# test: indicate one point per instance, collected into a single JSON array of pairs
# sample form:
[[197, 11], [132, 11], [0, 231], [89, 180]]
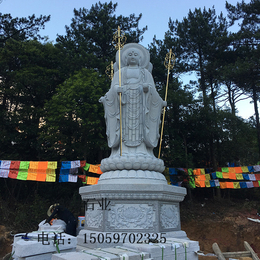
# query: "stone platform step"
[[112, 253], [174, 248]]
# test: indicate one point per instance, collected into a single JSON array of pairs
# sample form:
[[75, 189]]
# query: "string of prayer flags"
[[228, 184], [28, 170], [71, 167], [68, 178], [42, 171], [175, 176], [237, 177], [71, 171], [231, 177]]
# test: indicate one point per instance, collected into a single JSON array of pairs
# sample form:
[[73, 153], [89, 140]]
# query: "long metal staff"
[[119, 40], [168, 63]]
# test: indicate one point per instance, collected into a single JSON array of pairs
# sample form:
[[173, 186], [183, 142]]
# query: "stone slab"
[[73, 256], [34, 245], [47, 256], [108, 253], [172, 246]]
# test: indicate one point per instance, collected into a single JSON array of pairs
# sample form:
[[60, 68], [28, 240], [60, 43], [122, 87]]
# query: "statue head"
[[141, 54], [133, 57]]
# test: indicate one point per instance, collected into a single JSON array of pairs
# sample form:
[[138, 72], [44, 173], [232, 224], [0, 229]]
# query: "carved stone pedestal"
[[127, 210]]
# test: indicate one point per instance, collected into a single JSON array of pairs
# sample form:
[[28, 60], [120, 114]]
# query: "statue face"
[[133, 57]]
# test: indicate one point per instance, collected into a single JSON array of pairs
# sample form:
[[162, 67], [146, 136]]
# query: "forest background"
[[49, 95]]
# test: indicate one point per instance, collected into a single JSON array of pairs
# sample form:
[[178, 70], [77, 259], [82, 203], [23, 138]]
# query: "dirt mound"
[[6, 241], [225, 223]]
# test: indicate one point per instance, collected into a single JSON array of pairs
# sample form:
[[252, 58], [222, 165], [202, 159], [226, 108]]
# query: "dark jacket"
[[61, 213]]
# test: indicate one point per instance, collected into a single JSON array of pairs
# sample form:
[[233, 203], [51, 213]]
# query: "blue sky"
[[155, 14]]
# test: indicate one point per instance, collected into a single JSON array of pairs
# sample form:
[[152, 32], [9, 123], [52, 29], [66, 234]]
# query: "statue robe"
[[141, 109]]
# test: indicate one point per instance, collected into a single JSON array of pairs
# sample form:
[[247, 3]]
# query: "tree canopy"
[[49, 93]]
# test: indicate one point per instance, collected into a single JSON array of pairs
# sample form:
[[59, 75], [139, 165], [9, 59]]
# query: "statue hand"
[[119, 90], [164, 103], [145, 87]]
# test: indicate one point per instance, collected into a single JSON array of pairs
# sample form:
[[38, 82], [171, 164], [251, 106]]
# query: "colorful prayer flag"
[[4, 173], [13, 174], [52, 165], [22, 175], [236, 185], [5, 164], [92, 180], [244, 169], [93, 168], [50, 177], [230, 185]]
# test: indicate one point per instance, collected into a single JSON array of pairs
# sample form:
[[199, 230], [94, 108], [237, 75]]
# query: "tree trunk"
[[255, 99]]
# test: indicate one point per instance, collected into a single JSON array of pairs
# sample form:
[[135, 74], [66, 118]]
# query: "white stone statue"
[[141, 110], [140, 200]]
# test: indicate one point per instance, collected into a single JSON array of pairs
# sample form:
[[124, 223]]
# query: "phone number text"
[[132, 238]]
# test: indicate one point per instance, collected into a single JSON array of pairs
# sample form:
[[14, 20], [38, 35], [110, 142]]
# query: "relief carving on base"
[[94, 218], [169, 216], [131, 216]]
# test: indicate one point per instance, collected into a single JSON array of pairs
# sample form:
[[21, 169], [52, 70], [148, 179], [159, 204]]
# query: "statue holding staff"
[[141, 105]]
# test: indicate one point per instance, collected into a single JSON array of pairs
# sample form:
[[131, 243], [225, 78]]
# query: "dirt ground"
[[223, 222], [5, 241]]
